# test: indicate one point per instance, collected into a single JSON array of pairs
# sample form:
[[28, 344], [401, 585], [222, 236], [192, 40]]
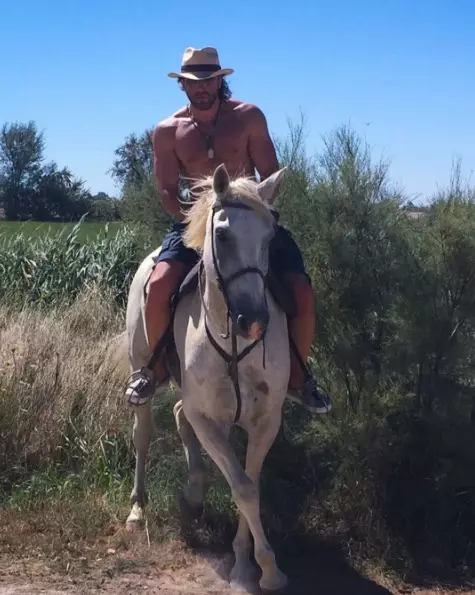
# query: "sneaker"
[[140, 387], [311, 396]]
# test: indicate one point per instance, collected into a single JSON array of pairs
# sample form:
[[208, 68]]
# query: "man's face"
[[203, 93]]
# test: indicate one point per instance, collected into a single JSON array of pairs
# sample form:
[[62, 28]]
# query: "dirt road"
[[173, 570]]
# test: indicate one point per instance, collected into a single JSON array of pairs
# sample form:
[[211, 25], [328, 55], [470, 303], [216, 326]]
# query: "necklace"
[[208, 138]]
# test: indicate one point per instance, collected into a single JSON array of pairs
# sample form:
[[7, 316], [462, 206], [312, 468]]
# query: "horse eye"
[[222, 235]]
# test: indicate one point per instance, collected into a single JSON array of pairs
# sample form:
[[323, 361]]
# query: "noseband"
[[234, 358]]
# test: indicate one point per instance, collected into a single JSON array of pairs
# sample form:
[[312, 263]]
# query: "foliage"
[[396, 338], [55, 269], [21, 154], [133, 164], [141, 205], [33, 189], [133, 171]]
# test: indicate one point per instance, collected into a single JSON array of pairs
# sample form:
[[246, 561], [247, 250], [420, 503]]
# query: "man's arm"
[[261, 147], [167, 169]]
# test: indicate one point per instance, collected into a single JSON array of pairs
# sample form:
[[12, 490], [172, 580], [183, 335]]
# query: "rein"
[[232, 360]]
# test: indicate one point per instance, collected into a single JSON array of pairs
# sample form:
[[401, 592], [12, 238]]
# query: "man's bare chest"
[[226, 143]]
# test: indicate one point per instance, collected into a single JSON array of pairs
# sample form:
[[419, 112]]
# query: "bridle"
[[232, 360]]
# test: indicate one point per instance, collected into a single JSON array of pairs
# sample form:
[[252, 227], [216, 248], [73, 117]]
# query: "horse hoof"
[[275, 586], [189, 513], [244, 572], [134, 526], [244, 588], [244, 580], [135, 520]]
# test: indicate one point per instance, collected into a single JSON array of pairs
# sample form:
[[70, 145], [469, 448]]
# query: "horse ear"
[[270, 186], [221, 180]]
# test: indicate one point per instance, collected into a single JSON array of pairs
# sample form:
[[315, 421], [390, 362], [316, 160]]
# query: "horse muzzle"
[[252, 324]]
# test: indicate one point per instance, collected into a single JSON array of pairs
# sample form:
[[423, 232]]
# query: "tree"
[[133, 170], [21, 156], [31, 189], [104, 208], [59, 195], [134, 162]]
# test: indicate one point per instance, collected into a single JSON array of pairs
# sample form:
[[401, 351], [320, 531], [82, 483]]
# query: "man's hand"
[[166, 168]]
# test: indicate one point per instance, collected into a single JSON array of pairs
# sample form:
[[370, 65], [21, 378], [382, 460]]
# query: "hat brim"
[[200, 75]]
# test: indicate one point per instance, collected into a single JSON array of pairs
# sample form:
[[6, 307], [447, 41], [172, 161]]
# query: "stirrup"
[[140, 386]]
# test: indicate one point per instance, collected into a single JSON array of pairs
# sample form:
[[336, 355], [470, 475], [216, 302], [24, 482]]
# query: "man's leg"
[[164, 282], [287, 263], [173, 264], [301, 326]]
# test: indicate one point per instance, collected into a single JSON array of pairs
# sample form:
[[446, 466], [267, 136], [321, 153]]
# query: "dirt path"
[[205, 576], [172, 570], [35, 559]]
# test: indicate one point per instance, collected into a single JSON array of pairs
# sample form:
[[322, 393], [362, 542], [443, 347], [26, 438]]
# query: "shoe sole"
[[324, 409]]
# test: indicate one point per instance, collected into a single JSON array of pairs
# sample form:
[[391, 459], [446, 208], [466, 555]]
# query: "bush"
[[396, 337]]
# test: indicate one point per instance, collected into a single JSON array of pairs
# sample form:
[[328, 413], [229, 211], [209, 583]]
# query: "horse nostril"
[[243, 323]]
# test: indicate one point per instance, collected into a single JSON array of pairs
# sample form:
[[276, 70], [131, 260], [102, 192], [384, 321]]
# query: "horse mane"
[[242, 190]]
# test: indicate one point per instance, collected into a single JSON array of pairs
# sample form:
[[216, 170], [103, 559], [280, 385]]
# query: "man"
[[214, 129]]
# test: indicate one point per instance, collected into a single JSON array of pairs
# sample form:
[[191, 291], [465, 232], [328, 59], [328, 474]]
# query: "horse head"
[[232, 224]]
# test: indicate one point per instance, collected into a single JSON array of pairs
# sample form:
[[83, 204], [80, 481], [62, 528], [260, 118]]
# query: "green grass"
[[50, 268], [88, 231]]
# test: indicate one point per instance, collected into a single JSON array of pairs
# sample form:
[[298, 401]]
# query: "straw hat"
[[200, 64]]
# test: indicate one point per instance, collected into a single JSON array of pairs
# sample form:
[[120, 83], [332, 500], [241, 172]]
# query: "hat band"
[[201, 68]]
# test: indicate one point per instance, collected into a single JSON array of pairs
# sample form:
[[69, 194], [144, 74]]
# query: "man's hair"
[[224, 92]]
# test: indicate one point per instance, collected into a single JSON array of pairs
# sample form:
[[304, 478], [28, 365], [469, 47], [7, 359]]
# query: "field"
[[33, 229]]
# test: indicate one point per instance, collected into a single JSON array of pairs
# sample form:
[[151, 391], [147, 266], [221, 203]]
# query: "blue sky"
[[401, 72]]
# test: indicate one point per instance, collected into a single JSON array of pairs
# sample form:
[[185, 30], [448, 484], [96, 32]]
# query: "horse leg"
[[261, 438], [244, 490], [193, 493], [142, 433]]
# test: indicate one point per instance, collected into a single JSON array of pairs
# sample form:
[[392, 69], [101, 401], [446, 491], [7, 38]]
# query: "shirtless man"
[[211, 130]]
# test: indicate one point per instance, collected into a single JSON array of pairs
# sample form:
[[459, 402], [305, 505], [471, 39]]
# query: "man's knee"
[[302, 291], [165, 280]]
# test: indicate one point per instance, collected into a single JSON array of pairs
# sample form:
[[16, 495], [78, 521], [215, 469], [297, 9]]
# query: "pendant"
[[209, 147]]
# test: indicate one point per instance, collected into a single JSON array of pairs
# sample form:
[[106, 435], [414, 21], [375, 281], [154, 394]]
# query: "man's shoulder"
[[244, 107], [252, 116], [165, 130], [170, 123], [251, 112]]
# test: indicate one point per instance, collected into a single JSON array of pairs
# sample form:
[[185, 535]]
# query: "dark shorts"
[[285, 255]]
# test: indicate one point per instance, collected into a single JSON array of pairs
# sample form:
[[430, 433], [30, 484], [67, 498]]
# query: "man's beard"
[[204, 103]]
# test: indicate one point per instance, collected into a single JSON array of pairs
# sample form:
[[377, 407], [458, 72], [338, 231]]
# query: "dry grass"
[[66, 454], [51, 366]]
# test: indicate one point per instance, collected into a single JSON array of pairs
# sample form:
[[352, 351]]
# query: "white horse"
[[232, 344]]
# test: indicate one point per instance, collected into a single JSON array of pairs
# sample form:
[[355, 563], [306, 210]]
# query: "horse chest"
[[213, 391]]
